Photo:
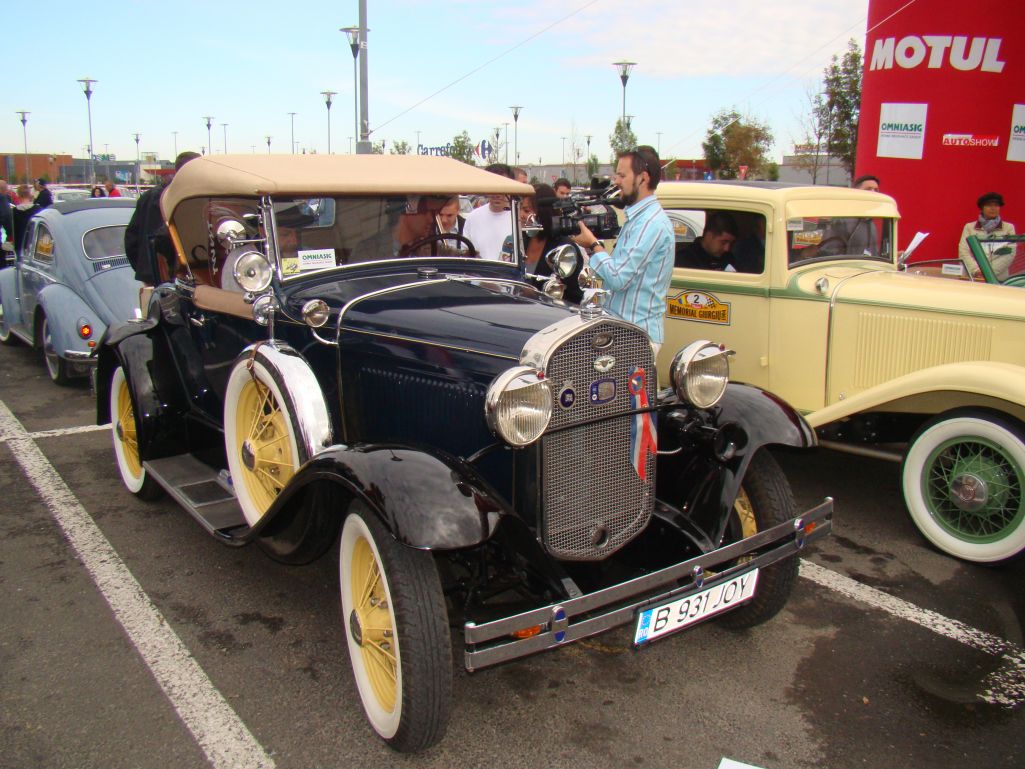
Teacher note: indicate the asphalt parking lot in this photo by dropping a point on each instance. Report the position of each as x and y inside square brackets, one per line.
[130, 638]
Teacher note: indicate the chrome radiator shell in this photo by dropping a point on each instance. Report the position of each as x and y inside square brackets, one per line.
[593, 501]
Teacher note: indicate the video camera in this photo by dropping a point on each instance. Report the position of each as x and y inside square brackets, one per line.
[597, 212]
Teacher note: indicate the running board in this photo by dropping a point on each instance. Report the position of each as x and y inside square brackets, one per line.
[198, 488]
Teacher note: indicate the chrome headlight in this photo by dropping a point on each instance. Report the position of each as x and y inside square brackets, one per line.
[315, 313]
[252, 271]
[700, 373]
[519, 406]
[563, 260]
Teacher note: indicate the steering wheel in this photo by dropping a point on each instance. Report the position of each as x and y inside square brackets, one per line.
[843, 245]
[434, 239]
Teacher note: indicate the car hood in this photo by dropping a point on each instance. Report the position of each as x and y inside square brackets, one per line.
[493, 317]
[113, 294]
[901, 289]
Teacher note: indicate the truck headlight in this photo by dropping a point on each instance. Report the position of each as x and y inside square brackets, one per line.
[700, 373]
[519, 406]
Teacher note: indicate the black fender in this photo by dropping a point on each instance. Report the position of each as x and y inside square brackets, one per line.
[157, 397]
[702, 481]
[427, 499]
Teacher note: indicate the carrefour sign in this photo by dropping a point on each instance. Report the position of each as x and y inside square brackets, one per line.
[937, 51]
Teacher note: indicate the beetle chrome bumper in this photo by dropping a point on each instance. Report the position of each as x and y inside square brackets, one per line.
[587, 615]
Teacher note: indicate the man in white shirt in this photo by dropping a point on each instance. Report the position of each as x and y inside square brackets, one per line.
[488, 226]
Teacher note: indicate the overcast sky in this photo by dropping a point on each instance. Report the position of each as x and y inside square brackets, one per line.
[162, 67]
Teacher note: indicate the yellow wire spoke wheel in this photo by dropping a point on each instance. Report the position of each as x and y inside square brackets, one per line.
[126, 439]
[397, 634]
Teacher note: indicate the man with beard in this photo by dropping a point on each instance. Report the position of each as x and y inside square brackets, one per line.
[638, 270]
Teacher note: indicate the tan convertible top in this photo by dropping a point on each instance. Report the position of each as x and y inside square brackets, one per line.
[327, 175]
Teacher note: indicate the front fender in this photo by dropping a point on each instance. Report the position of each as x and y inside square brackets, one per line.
[9, 297]
[157, 398]
[987, 384]
[63, 309]
[428, 500]
[703, 482]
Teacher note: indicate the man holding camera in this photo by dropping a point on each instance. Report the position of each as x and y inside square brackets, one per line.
[638, 270]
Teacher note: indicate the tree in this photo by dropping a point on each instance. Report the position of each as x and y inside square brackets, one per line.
[592, 166]
[622, 139]
[808, 153]
[377, 148]
[839, 107]
[734, 141]
[400, 148]
[462, 148]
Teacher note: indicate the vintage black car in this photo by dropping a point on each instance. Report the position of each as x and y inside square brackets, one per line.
[319, 365]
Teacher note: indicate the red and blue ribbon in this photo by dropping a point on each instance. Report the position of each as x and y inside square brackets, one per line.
[642, 428]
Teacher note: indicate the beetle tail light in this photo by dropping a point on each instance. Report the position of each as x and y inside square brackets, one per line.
[85, 330]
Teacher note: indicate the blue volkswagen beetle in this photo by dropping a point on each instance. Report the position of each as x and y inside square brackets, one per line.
[70, 281]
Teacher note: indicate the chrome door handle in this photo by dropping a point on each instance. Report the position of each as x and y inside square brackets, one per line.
[197, 320]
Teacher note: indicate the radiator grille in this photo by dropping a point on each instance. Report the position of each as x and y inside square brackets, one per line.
[593, 500]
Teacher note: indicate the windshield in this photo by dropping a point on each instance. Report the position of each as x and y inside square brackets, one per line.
[833, 237]
[315, 234]
[104, 242]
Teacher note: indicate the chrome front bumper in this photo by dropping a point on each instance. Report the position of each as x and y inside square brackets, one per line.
[587, 615]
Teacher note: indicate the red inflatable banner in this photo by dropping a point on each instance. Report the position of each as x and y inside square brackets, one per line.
[943, 114]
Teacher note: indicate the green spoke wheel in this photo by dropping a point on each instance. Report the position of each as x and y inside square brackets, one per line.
[964, 484]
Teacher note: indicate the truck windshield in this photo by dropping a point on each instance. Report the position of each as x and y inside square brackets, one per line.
[826, 237]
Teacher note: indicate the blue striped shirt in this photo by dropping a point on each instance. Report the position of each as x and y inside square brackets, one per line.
[638, 270]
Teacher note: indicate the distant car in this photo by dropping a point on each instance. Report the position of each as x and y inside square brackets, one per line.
[70, 281]
[67, 194]
[881, 361]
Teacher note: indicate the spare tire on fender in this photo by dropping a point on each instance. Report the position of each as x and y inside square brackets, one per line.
[275, 420]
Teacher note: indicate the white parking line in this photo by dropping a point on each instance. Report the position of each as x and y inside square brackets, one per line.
[1005, 687]
[221, 734]
[67, 431]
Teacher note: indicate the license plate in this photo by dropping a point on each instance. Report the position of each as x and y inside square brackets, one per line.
[683, 612]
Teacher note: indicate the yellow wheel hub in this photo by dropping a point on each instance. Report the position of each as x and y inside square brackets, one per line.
[372, 626]
[746, 513]
[125, 430]
[263, 440]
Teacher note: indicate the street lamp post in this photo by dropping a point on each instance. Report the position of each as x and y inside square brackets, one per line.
[327, 100]
[138, 164]
[507, 144]
[352, 33]
[658, 149]
[516, 133]
[363, 145]
[564, 153]
[587, 164]
[225, 127]
[175, 135]
[209, 142]
[292, 116]
[624, 75]
[87, 86]
[417, 142]
[24, 137]
[268, 144]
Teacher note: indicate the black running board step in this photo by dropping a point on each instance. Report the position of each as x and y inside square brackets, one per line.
[195, 486]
